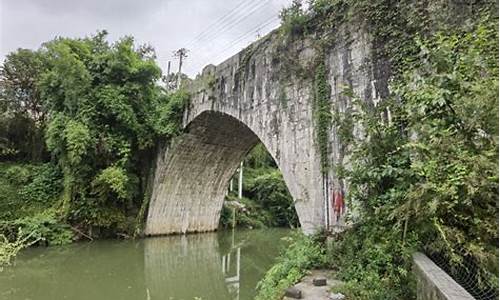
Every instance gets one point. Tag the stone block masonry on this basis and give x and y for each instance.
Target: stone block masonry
(434, 284)
(264, 93)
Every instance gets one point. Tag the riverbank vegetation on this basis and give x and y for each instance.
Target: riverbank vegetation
(266, 201)
(302, 254)
(423, 173)
(80, 118)
(79, 123)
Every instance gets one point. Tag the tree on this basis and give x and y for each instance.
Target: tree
(19, 91)
(21, 105)
(102, 100)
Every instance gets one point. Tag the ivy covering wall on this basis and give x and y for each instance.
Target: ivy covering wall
(425, 167)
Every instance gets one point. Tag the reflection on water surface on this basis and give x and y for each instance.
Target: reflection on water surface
(210, 266)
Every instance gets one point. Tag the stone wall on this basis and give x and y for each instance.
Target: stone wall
(433, 283)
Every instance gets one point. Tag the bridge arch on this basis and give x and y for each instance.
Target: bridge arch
(265, 92)
(193, 174)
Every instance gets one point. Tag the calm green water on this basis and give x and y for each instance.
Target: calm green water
(211, 266)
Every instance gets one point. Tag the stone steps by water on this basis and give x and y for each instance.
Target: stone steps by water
(315, 286)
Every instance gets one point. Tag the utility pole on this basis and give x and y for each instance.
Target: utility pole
(168, 75)
(181, 54)
(240, 182)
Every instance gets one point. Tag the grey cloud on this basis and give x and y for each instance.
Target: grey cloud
(165, 24)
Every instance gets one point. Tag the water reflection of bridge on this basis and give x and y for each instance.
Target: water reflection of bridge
(232, 279)
(232, 275)
(197, 261)
(175, 262)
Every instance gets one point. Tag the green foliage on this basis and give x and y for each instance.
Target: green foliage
(114, 180)
(374, 262)
(294, 19)
(322, 115)
(9, 250)
(267, 201)
(27, 195)
(259, 158)
(169, 113)
(269, 191)
(102, 114)
(303, 254)
(451, 105)
(21, 106)
(103, 101)
(427, 176)
(77, 137)
(44, 187)
(27, 189)
(42, 227)
(249, 214)
(18, 174)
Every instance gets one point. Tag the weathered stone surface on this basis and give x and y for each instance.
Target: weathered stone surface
(336, 296)
(434, 284)
(258, 95)
(293, 292)
(313, 292)
(319, 281)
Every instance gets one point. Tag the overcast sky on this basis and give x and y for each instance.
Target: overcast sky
(212, 30)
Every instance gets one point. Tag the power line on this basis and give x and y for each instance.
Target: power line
(222, 25)
(221, 28)
(202, 63)
(239, 38)
(216, 23)
(262, 24)
(233, 43)
(235, 22)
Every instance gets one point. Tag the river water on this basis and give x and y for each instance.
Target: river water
(208, 266)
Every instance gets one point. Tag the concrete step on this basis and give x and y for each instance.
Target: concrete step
(315, 286)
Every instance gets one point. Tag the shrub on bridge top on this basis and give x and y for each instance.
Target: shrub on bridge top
(169, 113)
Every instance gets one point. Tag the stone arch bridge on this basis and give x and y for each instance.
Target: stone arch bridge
(264, 93)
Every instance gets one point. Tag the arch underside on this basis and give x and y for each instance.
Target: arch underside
(191, 179)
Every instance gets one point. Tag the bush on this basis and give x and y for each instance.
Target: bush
(45, 185)
(114, 181)
(427, 177)
(18, 174)
(44, 227)
(169, 113)
(9, 250)
(27, 189)
(251, 216)
(303, 254)
(294, 19)
(374, 266)
(269, 191)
